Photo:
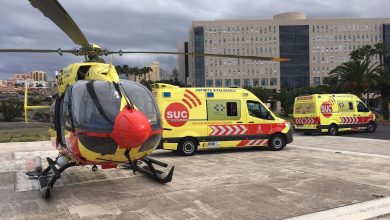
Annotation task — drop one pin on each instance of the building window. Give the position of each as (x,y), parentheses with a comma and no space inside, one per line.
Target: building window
(228,82)
(255,82)
(218,82)
(316,80)
(273,82)
(209,83)
(247,82)
(264,82)
(237,82)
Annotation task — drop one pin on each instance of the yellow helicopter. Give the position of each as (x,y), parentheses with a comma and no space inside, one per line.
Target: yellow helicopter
(97,118)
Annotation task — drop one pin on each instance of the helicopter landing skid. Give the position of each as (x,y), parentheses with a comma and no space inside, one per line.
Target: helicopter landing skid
(49,176)
(149,169)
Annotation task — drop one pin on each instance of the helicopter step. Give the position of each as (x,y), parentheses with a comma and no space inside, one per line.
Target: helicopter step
(149,169)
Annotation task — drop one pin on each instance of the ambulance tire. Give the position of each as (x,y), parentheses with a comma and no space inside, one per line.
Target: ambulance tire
(333,130)
(187,147)
(371,127)
(276,142)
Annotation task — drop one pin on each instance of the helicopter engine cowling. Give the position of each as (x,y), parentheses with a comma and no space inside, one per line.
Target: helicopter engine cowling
(131,128)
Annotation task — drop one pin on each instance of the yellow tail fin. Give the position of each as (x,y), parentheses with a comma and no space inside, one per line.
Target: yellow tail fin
(26,107)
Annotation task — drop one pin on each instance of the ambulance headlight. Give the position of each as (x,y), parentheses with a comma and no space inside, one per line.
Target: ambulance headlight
(287,124)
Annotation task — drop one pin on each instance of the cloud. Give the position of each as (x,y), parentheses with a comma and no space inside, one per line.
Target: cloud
(142,25)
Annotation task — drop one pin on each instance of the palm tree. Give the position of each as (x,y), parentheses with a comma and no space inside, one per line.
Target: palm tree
(381,50)
(356,76)
(382,86)
(144,71)
(260,92)
(286,98)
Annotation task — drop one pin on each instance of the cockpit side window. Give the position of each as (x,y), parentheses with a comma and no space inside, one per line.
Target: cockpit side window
(82,72)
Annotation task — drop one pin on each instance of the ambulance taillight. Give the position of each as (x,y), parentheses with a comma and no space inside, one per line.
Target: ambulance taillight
(318,120)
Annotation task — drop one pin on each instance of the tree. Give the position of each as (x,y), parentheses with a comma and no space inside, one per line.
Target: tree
(145,70)
(262,93)
(286,98)
(11,108)
(382,86)
(133,71)
(356,75)
(175,74)
(381,50)
(331,85)
(42,116)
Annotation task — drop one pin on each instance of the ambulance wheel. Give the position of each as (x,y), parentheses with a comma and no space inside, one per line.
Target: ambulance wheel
(276,142)
(187,147)
(333,130)
(371,127)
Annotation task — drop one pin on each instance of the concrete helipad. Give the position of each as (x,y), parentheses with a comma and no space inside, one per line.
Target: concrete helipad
(327,176)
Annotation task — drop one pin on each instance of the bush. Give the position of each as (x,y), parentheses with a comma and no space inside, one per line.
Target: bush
(41,116)
(11,108)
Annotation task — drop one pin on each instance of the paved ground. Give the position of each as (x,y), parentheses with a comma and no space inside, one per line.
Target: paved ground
(314,173)
(382,132)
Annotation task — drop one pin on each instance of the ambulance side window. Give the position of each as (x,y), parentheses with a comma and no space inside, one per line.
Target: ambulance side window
(350,105)
(223,109)
(256,109)
(231,108)
(361,107)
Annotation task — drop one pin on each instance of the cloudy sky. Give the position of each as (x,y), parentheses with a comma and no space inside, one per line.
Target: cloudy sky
(142,25)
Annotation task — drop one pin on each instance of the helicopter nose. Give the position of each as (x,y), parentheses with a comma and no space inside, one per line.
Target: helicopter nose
(131,128)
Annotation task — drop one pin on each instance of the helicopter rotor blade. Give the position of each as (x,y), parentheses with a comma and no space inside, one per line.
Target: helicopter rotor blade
(104,52)
(59,51)
(275,59)
(57,14)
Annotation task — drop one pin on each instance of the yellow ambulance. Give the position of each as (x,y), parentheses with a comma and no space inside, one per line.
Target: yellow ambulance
(332,113)
(205,118)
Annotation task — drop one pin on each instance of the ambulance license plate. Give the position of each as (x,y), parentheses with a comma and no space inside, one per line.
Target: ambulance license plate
(213,144)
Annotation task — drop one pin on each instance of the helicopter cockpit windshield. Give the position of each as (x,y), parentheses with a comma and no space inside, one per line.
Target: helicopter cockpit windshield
(142,98)
(94,105)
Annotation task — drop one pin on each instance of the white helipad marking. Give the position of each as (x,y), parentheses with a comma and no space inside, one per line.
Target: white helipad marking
(359,211)
(72,176)
(341,151)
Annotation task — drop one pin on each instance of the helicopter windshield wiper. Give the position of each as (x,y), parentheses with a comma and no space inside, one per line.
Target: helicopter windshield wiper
(122,90)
